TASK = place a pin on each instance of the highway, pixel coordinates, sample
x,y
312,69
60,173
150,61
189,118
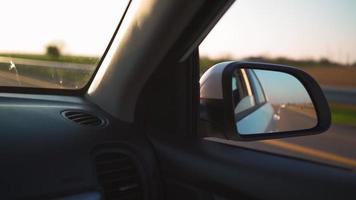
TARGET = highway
x,y
335,147
11,79
292,120
49,64
13,76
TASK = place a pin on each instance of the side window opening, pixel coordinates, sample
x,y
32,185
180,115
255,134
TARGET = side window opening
x,y
285,32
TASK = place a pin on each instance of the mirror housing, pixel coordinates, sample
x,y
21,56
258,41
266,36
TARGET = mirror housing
x,y
217,116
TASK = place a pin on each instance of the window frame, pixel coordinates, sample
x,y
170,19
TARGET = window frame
x,y
252,76
239,116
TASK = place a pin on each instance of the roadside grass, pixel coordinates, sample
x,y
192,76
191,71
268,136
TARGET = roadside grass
x,y
343,114
65,77
62,58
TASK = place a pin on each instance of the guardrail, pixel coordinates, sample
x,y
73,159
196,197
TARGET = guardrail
x,y
340,94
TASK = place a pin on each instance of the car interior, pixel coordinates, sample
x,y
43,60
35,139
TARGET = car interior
x,y
133,132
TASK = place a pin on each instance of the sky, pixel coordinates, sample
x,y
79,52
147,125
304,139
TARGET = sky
x,y
82,27
291,28
282,88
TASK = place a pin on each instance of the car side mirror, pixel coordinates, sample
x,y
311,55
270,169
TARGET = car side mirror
x,y
251,101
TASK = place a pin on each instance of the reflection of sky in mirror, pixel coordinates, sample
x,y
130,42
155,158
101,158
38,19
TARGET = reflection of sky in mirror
x,y
281,88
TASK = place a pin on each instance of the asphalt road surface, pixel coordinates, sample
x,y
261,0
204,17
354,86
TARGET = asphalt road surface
x,y
292,120
335,147
11,79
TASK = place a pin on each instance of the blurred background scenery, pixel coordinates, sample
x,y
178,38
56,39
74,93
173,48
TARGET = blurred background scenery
x,y
316,36
53,45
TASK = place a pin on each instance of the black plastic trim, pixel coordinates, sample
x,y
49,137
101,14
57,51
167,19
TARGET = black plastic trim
x,y
126,150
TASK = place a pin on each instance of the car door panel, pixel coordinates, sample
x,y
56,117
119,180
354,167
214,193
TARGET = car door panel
x,y
233,172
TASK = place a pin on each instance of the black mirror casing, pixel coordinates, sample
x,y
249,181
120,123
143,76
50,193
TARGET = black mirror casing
x,y
222,111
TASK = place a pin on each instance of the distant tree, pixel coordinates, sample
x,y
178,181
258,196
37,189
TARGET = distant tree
x,y
53,51
325,61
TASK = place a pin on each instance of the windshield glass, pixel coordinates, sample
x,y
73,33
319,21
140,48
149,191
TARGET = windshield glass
x,y
55,44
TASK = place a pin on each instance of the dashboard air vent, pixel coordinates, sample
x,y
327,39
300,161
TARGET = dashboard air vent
x,y
83,118
118,176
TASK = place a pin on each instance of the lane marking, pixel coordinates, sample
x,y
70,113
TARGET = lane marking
x,y
311,152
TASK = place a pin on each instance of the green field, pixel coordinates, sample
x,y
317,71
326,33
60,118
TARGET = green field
x,y
62,58
66,77
343,114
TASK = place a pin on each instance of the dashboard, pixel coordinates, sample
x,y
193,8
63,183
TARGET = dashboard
x,y
58,147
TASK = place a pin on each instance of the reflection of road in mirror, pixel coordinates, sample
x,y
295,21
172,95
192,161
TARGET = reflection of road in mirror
x,y
281,103
295,117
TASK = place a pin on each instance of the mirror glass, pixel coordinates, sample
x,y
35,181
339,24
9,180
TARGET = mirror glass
x,y
269,101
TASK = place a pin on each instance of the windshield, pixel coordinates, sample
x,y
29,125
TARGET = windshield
x,y
55,44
